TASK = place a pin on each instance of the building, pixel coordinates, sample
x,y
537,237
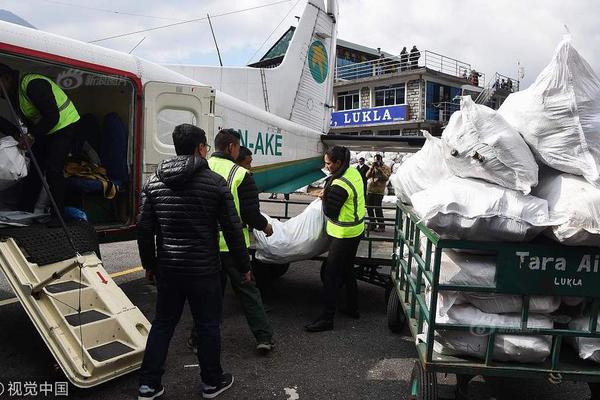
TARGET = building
x,y
380,94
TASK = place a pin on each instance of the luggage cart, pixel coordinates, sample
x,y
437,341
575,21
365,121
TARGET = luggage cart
x,y
524,269
374,258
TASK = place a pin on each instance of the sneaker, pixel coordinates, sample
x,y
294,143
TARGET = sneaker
x,y
265,347
210,392
146,392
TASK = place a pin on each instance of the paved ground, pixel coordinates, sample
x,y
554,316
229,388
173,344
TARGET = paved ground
x,y
358,360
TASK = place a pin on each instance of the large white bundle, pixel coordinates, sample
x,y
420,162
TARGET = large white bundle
x,y
479,143
578,201
424,169
299,238
559,114
503,304
588,348
13,164
506,347
470,209
457,268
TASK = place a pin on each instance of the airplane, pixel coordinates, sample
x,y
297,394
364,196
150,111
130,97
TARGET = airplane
x,y
282,113
92,329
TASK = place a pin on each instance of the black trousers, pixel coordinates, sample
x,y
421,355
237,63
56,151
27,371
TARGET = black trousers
x,y
204,296
51,152
339,271
374,199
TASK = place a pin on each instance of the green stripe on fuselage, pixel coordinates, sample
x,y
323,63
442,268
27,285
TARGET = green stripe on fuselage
x,y
286,177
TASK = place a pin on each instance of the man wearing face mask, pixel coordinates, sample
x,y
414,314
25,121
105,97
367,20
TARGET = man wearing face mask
x,y
245,195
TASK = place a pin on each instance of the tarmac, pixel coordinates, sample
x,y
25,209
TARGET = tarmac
x,y
359,359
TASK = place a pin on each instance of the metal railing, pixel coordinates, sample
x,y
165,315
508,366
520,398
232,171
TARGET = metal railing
x,y
500,82
389,65
446,109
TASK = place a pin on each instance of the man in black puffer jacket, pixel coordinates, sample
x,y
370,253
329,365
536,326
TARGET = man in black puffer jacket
x,y
184,205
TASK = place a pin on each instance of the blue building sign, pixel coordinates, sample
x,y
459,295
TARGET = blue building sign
x,y
368,116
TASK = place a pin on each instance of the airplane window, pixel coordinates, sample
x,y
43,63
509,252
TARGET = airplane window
x,y
168,119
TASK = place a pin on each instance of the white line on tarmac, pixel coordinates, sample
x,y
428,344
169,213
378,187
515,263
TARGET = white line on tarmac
x,y
191,366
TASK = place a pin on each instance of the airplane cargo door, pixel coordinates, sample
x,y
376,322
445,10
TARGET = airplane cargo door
x,y
167,105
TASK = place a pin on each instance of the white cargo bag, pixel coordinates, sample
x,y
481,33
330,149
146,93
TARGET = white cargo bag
x,y
559,114
13,164
424,169
493,303
578,201
534,349
471,209
479,143
587,348
299,238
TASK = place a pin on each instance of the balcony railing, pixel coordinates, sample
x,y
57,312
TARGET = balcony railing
x,y
389,65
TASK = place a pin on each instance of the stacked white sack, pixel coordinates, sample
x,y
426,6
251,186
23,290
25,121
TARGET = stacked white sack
x,y
13,164
471,209
559,114
578,201
588,348
419,172
299,238
520,348
479,143
464,269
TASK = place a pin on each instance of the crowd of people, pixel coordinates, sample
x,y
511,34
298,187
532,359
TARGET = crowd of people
x,y
193,236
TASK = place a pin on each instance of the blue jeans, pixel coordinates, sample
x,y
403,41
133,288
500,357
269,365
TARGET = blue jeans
x,y
205,298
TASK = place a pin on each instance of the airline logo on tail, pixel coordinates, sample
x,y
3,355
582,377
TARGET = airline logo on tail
x,y
318,61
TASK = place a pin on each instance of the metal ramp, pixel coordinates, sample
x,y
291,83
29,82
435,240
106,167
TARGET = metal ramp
x,y
90,326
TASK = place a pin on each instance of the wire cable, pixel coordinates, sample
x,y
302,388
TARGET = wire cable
x,y
187,21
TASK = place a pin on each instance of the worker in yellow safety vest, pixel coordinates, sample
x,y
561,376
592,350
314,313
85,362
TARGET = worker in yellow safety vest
x,y
344,206
51,120
245,198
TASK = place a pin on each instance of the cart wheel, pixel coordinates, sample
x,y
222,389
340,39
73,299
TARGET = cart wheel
x,y
423,385
395,315
595,389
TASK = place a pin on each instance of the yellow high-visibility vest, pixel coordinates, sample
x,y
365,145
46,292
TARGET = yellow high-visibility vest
x,y
67,112
351,221
234,175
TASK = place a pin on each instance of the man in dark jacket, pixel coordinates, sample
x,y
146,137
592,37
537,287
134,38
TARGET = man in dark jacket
x,y
245,195
51,119
363,169
184,204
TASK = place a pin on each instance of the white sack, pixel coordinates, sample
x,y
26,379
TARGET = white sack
x,y
299,238
559,114
479,143
506,347
588,348
420,171
13,164
493,303
470,209
460,269
578,201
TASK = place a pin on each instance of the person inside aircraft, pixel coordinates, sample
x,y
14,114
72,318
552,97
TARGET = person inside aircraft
x,y
51,120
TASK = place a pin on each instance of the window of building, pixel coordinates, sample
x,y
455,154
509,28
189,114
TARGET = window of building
x,y
390,95
441,101
348,100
